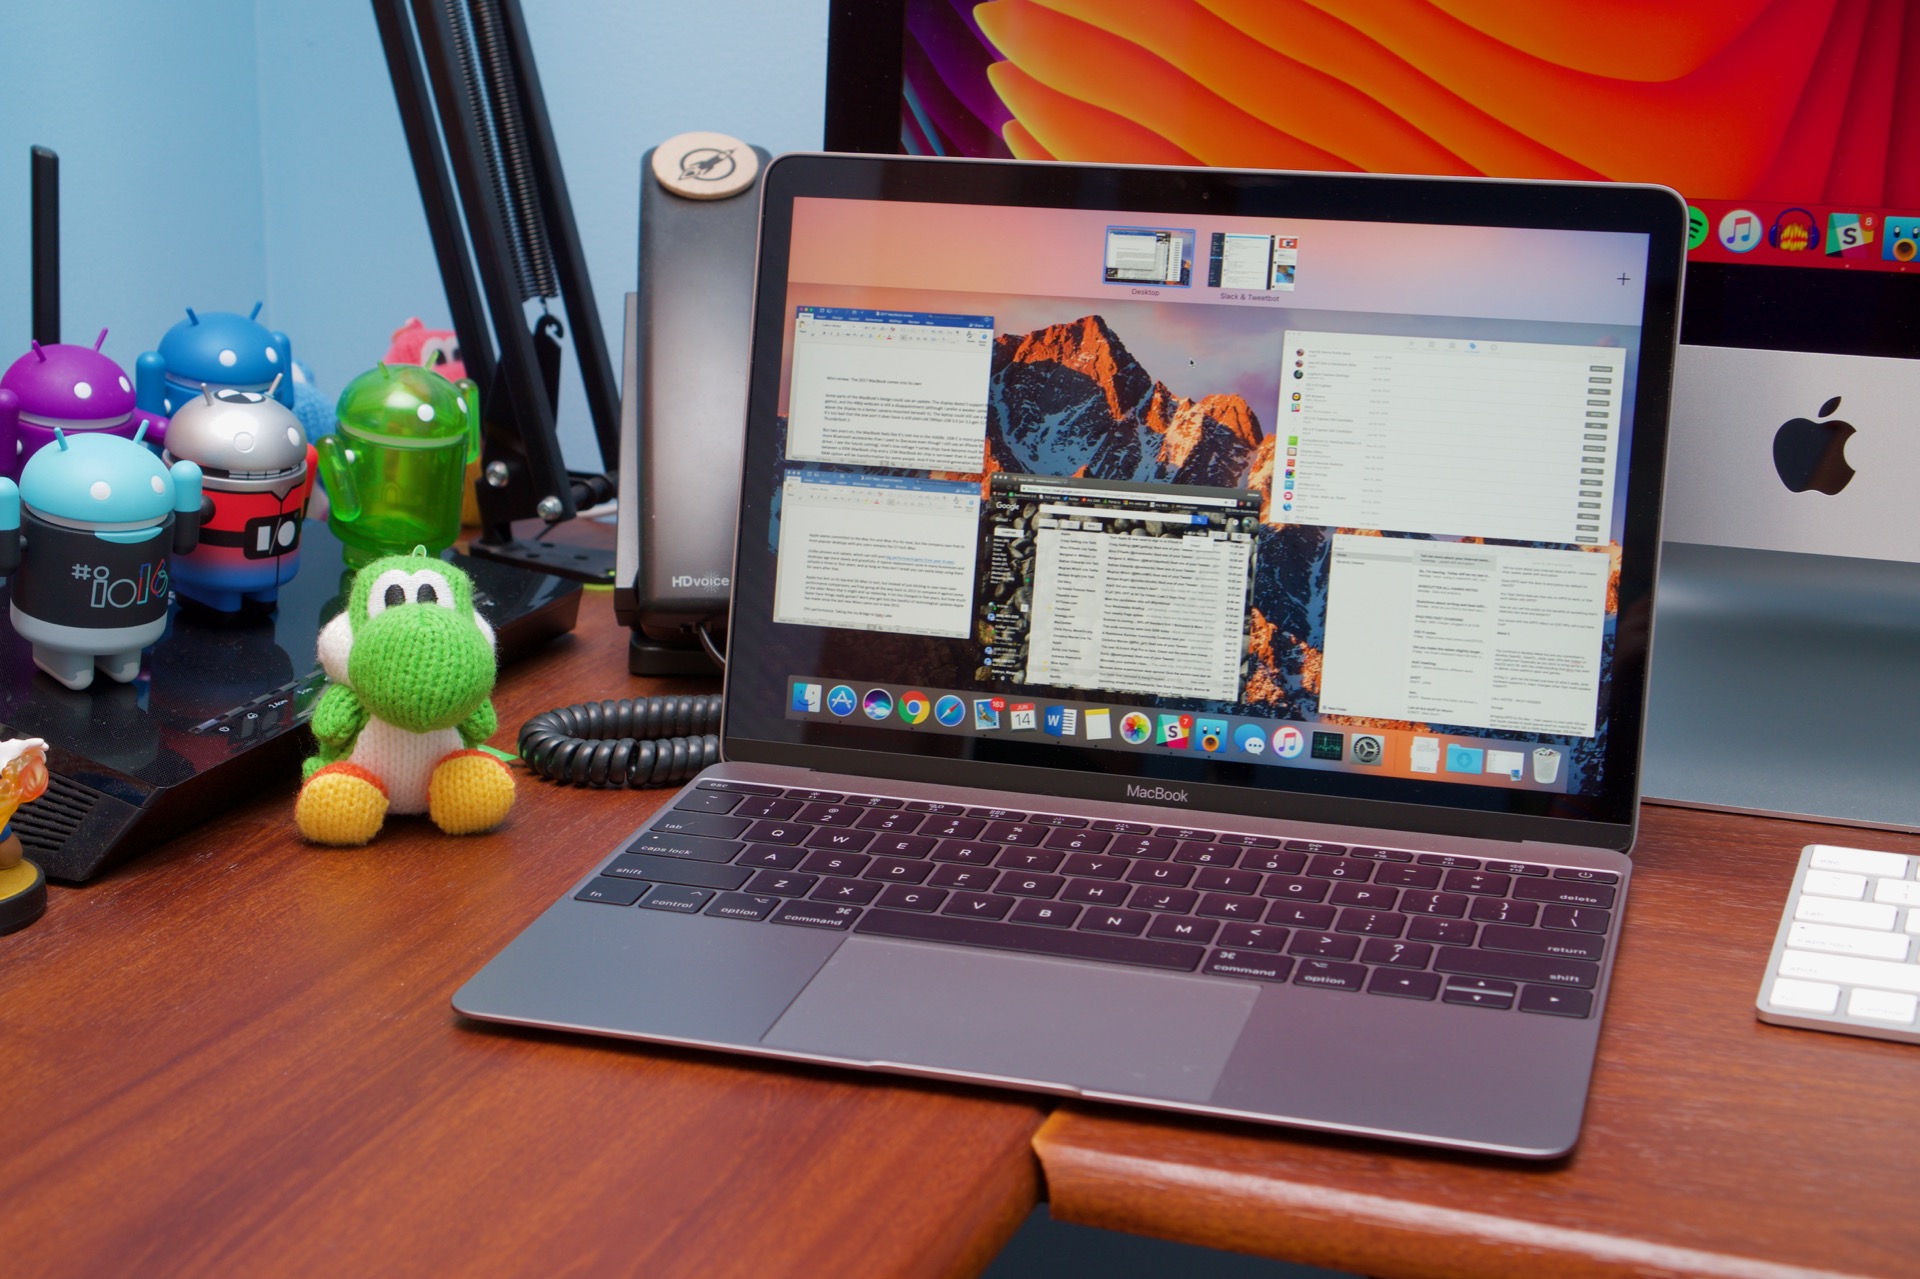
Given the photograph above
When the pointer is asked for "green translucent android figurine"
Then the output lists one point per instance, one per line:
(395, 469)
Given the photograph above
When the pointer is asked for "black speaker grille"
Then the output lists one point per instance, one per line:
(45, 825)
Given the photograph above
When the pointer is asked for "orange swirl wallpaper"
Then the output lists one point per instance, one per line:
(1759, 100)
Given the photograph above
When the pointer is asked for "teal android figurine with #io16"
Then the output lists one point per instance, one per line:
(395, 469)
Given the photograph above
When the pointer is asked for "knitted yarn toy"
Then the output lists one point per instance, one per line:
(410, 668)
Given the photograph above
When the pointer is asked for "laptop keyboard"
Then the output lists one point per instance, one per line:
(1392, 922)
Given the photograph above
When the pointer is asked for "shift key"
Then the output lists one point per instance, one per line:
(712, 825)
(672, 870)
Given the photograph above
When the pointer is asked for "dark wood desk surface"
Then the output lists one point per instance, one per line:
(1715, 1145)
(235, 1055)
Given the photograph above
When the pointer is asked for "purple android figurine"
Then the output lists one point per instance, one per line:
(74, 388)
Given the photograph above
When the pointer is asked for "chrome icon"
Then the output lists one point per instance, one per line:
(950, 710)
(879, 703)
(1288, 741)
(1135, 728)
(914, 707)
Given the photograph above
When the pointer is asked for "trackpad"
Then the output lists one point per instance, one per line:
(1047, 1021)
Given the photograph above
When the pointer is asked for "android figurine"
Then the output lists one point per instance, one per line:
(394, 468)
(23, 779)
(72, 388)
(220, 349)
(410, 668)
(99, 514)
(257, 472)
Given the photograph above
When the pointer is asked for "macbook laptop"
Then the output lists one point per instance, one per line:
(1189, 649)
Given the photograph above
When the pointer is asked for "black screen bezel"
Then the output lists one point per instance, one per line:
(1606, 819)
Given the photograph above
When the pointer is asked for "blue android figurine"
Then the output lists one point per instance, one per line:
(221, 350)
(85, 536)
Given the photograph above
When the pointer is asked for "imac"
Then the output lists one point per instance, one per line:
(1789, 606)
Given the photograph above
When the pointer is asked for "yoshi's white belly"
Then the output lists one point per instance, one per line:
(403, 760)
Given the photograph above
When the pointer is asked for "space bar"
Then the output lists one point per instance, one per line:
(1036, 941)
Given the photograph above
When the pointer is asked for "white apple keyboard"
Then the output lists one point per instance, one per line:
(1847, 957)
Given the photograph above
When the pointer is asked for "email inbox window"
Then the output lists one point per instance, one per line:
(1514, 441)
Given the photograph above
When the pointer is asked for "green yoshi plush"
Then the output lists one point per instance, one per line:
(409, 666)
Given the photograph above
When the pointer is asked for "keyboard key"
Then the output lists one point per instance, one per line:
(887, 845)
(1257, 964)
(1181, 833)
(1077, 841)
(1448, 860)
(977, 906)
(1851, 970)
(1039, 859)
(1875, 914)
(1895, 892)
(1167, 873)
(1370, 923)
(1529, 968)
(870, 801)
(1380, 854)
(1836, 940)
(831, 814)
(745, 788)
(1154, 846)
(953, 827)
(910, 897)
(833, 837)
(775, 809)
(1231, 906)
(1323, 945)
(817, 915)
(1808, 996)
(1313, 846)
(1264, 860)
(835, 889)
(1386, 981)
(1057, 820)
(1501, 910)
(693, 847)
(1182, 928)
(822, 862)
(742, 906)
(898, 870)
(1575, 919)
(1253, 936)
(1519, 868)
(1250, 841)
(1858, 861)
(816, 796)
(671, 870)
(1023, 885)
(971, 878)
(971, 852)
(1046, 914)
(778, 832)
(1542, 941)
(1477, 998)
(1883, 1005)
(1329, 974)
(1067, 943)
(782, 883)
(1452, 905)
(771, 855)
(1409, 876)
(997, 814)
(1293, 888)
(1371, 896)
(1106, 919)
(1455, 932)
(1833, 883)
(1481, 882)
(1564, 893)
(1013, 833)
(1555, 1002)
(1178, 900)
(1327, 867)
(896, 820)
(1123, 828)
(1602, 876)
(1300, 915)
(708, 824)
(1216, 879)
(676, 898)
(934, 806)
(1097, 867)
(1208, 854)
(1396, 954)
(1101, 892)
(611, 892)
(707, 801)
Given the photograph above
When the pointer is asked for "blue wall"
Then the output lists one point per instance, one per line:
(227, 151)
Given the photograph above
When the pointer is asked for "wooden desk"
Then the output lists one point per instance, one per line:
(1714, 1144)
(235, 1055)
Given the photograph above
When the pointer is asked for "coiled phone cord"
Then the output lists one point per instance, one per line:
(631, 742)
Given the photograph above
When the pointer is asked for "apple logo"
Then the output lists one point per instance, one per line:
(1813, 455)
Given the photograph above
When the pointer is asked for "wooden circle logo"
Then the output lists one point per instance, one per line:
(705, 166)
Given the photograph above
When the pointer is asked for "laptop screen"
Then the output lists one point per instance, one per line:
(1303, 504)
